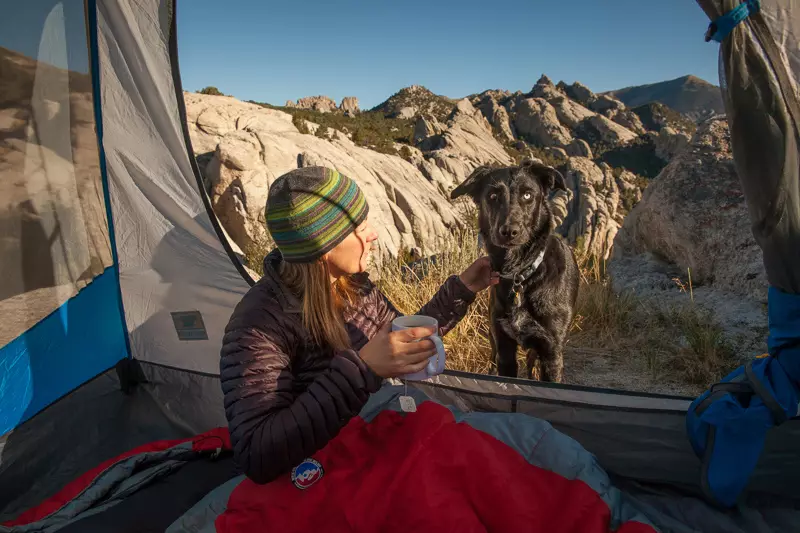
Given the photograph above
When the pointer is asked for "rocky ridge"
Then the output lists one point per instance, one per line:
(250, 146)
(324, 104)
(563, 124)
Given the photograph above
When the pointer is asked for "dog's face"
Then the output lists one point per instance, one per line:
(511, 200)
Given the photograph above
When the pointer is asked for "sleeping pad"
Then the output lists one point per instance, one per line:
(435, 469)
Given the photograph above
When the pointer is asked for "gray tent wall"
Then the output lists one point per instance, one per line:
(178, 262)
(172, 259)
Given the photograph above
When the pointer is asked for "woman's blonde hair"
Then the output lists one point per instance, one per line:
(323, 303)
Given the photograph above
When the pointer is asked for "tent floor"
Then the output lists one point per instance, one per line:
(93, 423)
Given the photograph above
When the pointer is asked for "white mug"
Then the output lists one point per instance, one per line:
(436, 362)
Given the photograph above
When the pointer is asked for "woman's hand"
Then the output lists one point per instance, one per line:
(479, 275)
(395, 353)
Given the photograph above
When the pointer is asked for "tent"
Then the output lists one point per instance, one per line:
(117, 282)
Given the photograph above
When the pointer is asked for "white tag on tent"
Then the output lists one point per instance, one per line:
(407, 404)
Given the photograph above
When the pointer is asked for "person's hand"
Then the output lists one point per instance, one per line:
(395, 353)
(479, 275)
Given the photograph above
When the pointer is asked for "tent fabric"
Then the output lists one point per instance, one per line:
(95, 423)
(81, 339)
(60, 324)
(643, 442)
(171, 259)
(55, 236)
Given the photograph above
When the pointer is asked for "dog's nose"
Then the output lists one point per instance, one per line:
(509, 231)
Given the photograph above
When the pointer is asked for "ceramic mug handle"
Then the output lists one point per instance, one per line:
(439, 360)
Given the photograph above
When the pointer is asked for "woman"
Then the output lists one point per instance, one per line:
(311, 340)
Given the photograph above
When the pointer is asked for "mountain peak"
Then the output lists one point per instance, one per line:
(690, 95)
(415, 100)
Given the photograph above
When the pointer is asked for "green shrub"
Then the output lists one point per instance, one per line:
(405, 153)
(213, 91)
(638, 156)
(368, 129)
(301, 125)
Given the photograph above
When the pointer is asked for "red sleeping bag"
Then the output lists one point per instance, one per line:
(418, 472)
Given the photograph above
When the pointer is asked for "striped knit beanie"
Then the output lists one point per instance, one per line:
(311, 210)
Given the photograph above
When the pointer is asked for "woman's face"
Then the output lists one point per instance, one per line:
(351, 256)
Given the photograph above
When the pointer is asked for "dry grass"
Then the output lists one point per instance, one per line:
(255, 254)
(468, 344)
(616, 340)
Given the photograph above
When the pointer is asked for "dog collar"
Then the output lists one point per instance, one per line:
(519, 278)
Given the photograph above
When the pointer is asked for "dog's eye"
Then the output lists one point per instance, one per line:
(527, 196)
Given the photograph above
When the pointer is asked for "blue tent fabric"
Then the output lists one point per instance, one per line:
(728, 424)
(81, 339)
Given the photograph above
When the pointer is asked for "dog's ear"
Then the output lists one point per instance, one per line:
(549, 177)
(473, 182)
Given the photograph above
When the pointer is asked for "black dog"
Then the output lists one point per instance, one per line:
(534, 303)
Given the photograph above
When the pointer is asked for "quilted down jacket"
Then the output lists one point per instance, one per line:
(285, 396)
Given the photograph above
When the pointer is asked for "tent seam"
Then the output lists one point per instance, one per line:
(94, 59)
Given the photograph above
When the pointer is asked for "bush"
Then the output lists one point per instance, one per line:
(638, 157)
(369, 129)
(405, 153)
(322, 132)
(301, 125)
(547, 158)
(213, 91)
(655, 116)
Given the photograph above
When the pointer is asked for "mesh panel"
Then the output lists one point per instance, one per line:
(53, 229)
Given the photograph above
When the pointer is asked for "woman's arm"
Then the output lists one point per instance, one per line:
(449, 305)
(272, 429)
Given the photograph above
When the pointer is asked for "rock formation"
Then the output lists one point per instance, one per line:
(579, 148)
(465, 144)
(578, 92)
(544, 88)
(694, 217)
(415, 100)
(425, 128)
(670, 142)
(497, 116)
(245, 150)
(569, 112)
(349, 105)
(590, 212)
(252, 146)
(538, 121)
(323, 104)
(599, 129)
(604, 103)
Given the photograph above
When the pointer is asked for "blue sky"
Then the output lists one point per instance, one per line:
(271, 51)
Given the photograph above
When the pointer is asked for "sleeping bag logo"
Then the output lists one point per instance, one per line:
(307, 473)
